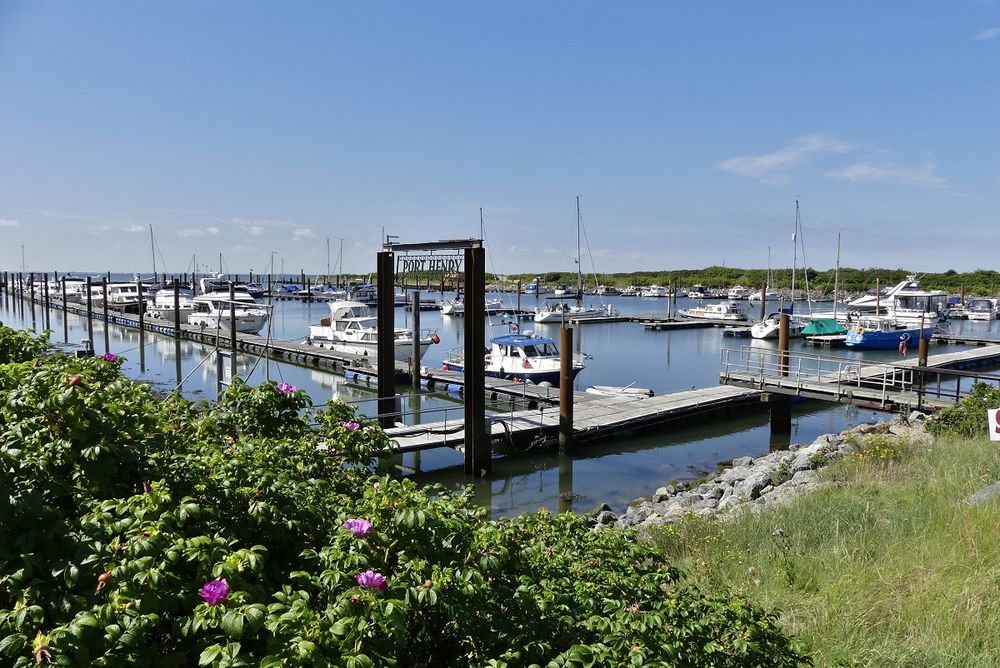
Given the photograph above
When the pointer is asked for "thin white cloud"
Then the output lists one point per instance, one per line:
(99, 228)
(133, 228)
(198, 232)
(303, 233)
(866, 172)
(253, 230)
(989, 33)
(774, 167)
(8, 222)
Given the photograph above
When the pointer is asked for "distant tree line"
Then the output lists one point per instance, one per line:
(978, 282)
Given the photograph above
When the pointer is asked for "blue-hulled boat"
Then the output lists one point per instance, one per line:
(885, 334)
(521, 357)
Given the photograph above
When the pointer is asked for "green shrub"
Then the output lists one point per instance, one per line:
(141, 532)
(968, 417)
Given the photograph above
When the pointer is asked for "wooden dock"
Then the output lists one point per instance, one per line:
(668, 324)
(594, 417)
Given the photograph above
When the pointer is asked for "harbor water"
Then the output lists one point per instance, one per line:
(620, 353)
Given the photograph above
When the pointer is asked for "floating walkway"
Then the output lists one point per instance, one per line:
(594, 418)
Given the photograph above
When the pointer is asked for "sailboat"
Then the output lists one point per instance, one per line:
(558, 311)
(770, 326)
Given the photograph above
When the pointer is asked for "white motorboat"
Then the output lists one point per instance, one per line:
(351, 328)
(215, 311)
(161, 304)
(559, 311)
(699, 291)
(980, 309)
(457, 306)
(608, 290)
(770, 327)
(725, 311)
(520, 357)
(121, 296)
(738, 292)
(906, 302)
(654, 291)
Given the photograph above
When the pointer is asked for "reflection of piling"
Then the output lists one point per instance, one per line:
(781, 405)
(31, 280)
(565, 483)
(45, 298)
(565, 389)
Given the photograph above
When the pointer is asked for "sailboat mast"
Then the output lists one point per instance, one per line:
(836, 279)
(152, 248)
(328, 258)
(795, 248)
(579, 264)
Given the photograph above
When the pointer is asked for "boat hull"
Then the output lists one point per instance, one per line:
(863, 339)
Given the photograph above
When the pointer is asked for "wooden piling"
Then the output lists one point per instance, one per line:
(415, 354)
(90, 315)
(232, 332)
(565, 389)
(142, 329)
(107, 330)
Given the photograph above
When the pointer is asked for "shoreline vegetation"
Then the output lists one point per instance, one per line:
(981, 282)
(253, 531)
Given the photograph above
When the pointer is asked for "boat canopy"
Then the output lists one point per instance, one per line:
(521, 340)
(823, 327)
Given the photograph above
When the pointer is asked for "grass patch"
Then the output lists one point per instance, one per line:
(885, 566)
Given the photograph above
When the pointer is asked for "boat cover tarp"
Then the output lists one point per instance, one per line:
(823, 327)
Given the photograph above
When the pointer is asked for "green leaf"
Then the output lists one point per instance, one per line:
(232, 624)
(209, 655)
(13, 644)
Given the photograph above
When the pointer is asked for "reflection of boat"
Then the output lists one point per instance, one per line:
(214, 311)
(616, 391)
(880, 333)
(559, 311)
(727, 311)
(521, 357)
(351, 328)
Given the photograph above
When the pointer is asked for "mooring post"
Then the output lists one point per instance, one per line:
(142, 328)
(477, 441)
(107, 331)
(45, 292)
(232, 332)
(783, 345)
(65, 310)
(31, 287)
(763, 301)
(177, 308)
(386, 353)
(90, 315)
(415, 355)
(565, 389)
(518, 314)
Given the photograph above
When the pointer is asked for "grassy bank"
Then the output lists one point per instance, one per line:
(885, 566)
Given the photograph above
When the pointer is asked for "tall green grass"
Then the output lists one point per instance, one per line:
(884, 566)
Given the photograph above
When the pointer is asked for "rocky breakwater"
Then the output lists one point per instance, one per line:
(754, 482)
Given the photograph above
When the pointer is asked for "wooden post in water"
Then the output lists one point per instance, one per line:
(232, 331)
(107, 331)
(565, 389)
(518, 314)
(31, 294)
(763, 301)
(142, 328)
(90, 315)
(45, 289)
(781, 405)
(65, 315)
(478, 448)
(385, 347)
(415, 354)
(177, 309)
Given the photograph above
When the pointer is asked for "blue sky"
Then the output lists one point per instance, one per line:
(688, 129)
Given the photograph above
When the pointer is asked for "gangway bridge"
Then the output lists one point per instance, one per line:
(892, 386)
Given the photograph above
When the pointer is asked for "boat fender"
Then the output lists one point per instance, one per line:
(861, 330)
(435, 339)
(902, 345)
